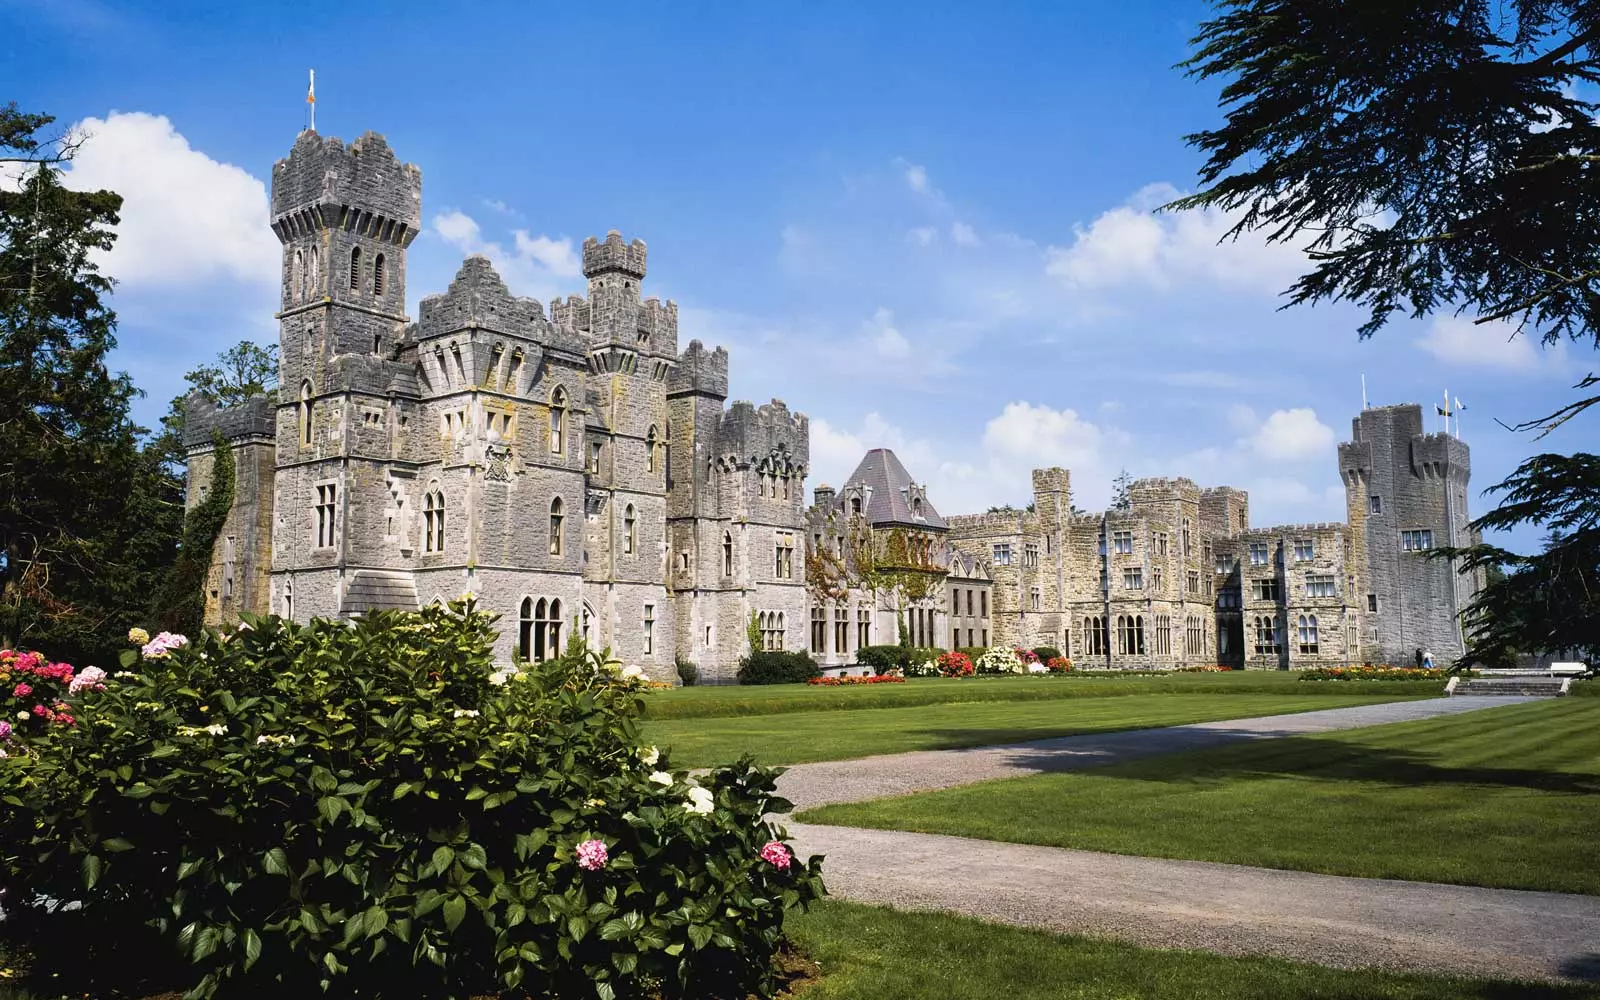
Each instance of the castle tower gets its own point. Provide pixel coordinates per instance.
(1406, 492)
(701, 573)
(633, 348)
(345, 216)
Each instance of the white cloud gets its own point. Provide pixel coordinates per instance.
(1458, 340)
(922, 235)
(916, 176)
(186, 218)
(1293, 435)
(1134, 245)
(1241, 418)
(887, 341)
(963, 235)
(533, 265)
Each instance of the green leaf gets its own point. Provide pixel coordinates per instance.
(455, 908)
(614, 930)
(474, 857)
(443, 857)
(275, 862)
(116, 845)
(375, 921)
(188, 868)
(699, 935)
(91, 870)
(605, 991)
(252, 948)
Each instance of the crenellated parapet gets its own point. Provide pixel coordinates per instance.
(658, 326)
(700, 372)
(1440, 456)
(613, 255)
(1163, 489)
(1225, 509)
(361, 188)
(478, 299)
(255, 418)
(755, 435)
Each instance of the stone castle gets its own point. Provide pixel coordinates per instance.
(576, 470)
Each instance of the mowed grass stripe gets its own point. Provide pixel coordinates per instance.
(1506, 797)
(869, 953)
(796, 738)
(726, 701)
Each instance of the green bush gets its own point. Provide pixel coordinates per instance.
(1046, 653)
(883, 659)
(777, 667)
(974, 653)
(368, 809)
(688, 673)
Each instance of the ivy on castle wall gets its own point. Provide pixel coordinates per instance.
(182, 605)
(884, 561)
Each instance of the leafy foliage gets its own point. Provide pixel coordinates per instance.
(688, 672)
(88, 521)
(366, 809)
(884, 659)
(777, 667)
(181, 605)
(244, 370)
(1544, 603)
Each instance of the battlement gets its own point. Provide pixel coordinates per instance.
(700, 371)
(1293, 529)
(571, 315)
(478, 298)
(1436, 456)
(1005, 522)
(753, 433)
(363, 188)
(1156, 489)
(659, 323)
(256, 417)
(1225, 509)
(613, 255)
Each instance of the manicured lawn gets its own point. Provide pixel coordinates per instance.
(870, 953)
(1506, 797)
(717, 702)
(797, 737)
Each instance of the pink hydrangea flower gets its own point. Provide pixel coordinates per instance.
(88, 679)
(592, 855)
(22, 690)
(162, 644)
(777, 855)
(5, 730)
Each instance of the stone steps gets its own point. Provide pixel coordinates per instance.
(1534, 687)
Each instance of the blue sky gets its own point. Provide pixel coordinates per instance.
(928, 226)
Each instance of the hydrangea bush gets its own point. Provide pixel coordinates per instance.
(369, 808)
(36, 695)
(1000, 660)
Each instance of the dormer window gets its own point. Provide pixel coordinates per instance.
(855, 506)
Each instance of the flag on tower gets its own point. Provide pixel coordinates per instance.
(311, 99)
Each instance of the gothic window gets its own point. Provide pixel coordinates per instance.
(227, 567)
(327, 494)
(1155, 578)
(377, 275)
(355, 268)
(1130, 635)
(1096, 636)
(630, 531)
(855, 506)
(558, 417)
(819, 631)
(1194, 581)
(377, 343)
(555, 526)
(1030, 555)
(727, 554)
(1308, 633)
(545, 629)
(1266, 629)
(314, 274)
(1037, 597)
(305, 412)
(594, 458)
(649, 629)
(650, 449)
(288, 599)
(297, 277)
(1188, 542)
(780, 640)
(666, 453)
(841, 629)
(863, 627)
(433, 521)
(525, 629)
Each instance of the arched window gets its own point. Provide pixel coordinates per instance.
(650, 449)
(555, 526)
(666, 452)
(541, 615)
(630, 531)
(355, 268)
(552, 629)
(1308, 633)
(314, 274)
(433, 521)
(855, 506)
(288, 598)
(305, 412)
(1266, 629)
(525, 630)
(1138, 634)
(778, 630)
(377, 275)
(558, 418)
(727, 554)
(297, 277)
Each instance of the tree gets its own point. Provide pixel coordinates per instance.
(81, 539)
(1433, 156)
(1120, 500)
(246, 369)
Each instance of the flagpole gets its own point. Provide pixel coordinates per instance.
(1363, 390)
(311, 99)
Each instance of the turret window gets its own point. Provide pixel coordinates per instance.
(558, 418)
(630, 531)
(305, 412)
(327, 495)
(355, 268)
(650, 449)
(556, 518)
(377, 275)
(727, 554)
(433, 521)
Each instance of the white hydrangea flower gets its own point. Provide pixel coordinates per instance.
(633, 673)
(661, 778)
(650, 756)
(499, 677)
(701, 801)
(466, 713)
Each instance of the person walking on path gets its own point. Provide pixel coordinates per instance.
(1427, 661)
(1419, 657)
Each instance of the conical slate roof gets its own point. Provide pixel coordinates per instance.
(890, 495)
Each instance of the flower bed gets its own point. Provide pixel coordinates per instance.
(854, 681)
(370, 808)
(1372, 673)
(1209, 668)
(1058, 665)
